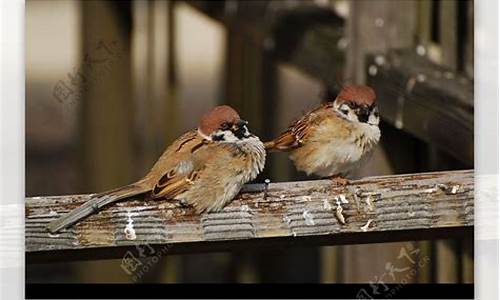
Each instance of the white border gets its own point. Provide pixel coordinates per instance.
(486, 203)
(12, 149)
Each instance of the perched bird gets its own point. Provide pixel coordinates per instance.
(334, 138)
(206, 168)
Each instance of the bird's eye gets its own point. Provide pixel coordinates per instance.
(375, 112)
(225, 126)
(344, 109)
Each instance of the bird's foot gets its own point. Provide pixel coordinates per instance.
(337, 180)
(183, 203)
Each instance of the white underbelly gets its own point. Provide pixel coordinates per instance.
(333, 158)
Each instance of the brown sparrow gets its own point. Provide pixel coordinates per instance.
(332, 139)
(205, 168)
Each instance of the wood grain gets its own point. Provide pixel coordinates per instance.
(400, 207)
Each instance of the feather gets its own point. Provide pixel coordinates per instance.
(296, 133)
(94, 204)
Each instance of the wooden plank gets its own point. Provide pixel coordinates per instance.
(373, 27)
(448, 32)
(427, 100)
(376, 26)
(106, 114)
(106, 110)
(467, 275)
(447, 262)
(424, 20)
(330, 264)
(375, 209)
(469, 46)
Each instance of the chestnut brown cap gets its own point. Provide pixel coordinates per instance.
(212, 120)
(358, 94)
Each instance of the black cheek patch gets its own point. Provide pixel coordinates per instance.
(218, 137)
(240, 133)
(363, 119)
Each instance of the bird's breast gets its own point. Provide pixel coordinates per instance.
(332, 152)
(255, 156)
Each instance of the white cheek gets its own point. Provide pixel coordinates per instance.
(247, 132)
(352, 116)
(373, 120)
(228, 136)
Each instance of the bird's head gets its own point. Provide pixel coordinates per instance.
(357, 103)
(223, 124)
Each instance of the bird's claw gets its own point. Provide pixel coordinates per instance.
(337, 180)
(183, 203)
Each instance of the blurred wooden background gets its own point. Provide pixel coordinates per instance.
(110, 83)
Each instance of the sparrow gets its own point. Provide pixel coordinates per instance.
(205, 168)
(334, 138)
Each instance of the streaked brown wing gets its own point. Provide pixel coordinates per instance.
(179, 150)
(174, 183)
(207, 157)
(184, 174)
(295, 135)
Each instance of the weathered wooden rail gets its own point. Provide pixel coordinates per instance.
(374, 209)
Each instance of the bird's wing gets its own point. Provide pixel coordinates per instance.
(204, 157)
(178, 168)
(298, 132)
(176, 180)
(178, 151)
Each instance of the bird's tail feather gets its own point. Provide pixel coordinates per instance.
(94, 204)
